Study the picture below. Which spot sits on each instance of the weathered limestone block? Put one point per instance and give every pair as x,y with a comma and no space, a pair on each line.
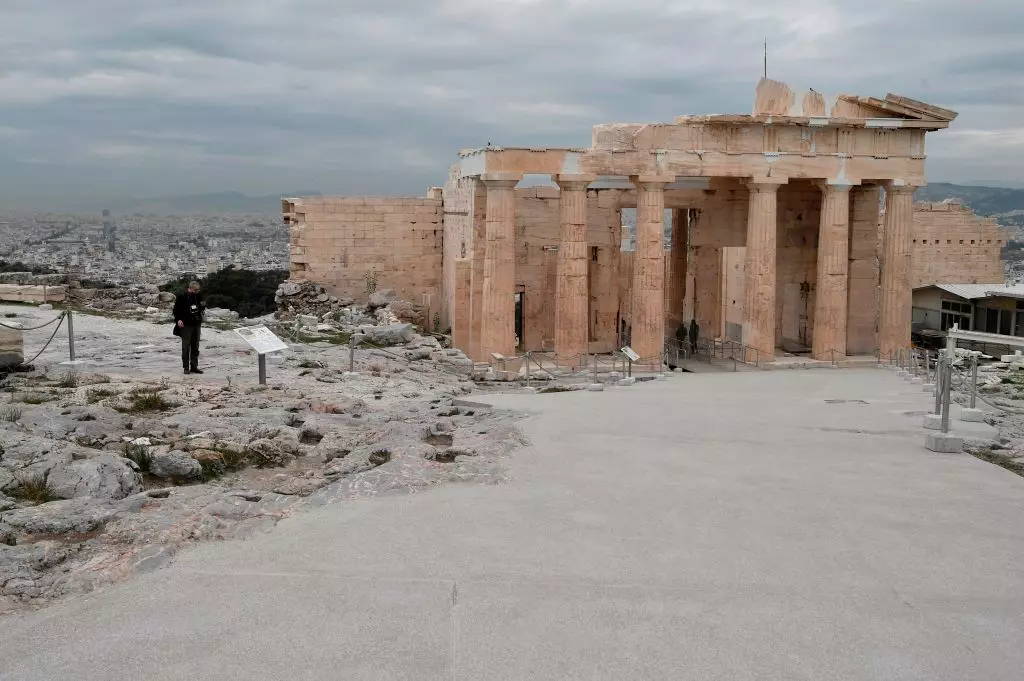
105,476
175,465
12,346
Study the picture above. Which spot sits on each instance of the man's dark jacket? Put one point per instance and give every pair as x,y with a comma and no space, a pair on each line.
189,308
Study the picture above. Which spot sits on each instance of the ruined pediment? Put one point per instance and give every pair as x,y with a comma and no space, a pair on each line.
777,99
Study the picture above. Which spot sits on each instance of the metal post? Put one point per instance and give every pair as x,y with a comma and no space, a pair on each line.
595,367
630,374
71,335
351,357
263,369
974,380
947,381
527,369
939,376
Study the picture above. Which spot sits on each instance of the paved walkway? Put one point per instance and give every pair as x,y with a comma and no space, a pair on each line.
722,526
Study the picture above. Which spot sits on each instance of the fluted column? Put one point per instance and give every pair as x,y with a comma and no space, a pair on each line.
759,294
829,337
571,286
895,318
497,324
648,307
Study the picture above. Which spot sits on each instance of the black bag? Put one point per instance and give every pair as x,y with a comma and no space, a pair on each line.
177,329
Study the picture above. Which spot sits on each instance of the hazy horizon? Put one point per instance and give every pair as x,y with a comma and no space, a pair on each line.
115,99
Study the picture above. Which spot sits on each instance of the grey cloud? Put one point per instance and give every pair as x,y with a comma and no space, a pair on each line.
349,96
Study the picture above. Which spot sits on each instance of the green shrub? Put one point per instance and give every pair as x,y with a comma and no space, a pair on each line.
247,292
139,454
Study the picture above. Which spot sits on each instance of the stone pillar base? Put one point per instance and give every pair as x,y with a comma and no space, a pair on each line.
944,443
933,422
972,415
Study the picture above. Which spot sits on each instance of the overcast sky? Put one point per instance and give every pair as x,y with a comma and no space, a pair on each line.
158,97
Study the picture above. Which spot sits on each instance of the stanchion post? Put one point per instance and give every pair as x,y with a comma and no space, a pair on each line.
946,382
263,368
351,355
71,335
939,377
974,380
527,369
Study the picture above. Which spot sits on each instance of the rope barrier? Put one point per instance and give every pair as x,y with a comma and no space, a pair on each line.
35,328
50,340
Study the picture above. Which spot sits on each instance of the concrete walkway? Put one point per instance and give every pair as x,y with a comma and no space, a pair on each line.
719,526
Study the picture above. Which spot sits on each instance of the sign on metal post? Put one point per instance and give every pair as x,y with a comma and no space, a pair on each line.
631,355
263,341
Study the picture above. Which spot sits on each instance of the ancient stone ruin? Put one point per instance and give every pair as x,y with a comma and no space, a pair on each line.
792,226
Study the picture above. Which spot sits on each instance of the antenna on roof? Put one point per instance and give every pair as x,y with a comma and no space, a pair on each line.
766,57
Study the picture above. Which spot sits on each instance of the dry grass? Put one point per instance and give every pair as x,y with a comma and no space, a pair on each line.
10,413
34,489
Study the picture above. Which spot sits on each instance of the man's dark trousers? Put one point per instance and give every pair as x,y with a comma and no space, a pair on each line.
190,346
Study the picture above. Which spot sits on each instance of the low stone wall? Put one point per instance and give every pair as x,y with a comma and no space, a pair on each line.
32,293
29,279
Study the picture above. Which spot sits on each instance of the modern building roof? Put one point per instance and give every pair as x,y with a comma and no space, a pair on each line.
978,291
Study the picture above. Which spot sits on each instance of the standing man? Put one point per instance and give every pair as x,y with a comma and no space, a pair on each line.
188,315
694,334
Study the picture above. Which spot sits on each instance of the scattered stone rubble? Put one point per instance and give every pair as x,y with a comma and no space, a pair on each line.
102,477
312,307
133,298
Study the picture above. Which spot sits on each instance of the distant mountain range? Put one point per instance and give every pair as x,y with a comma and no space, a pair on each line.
219,202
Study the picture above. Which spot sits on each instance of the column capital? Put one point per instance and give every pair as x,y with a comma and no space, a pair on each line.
835,185
573,182
652,180
761,184
501,180
899,187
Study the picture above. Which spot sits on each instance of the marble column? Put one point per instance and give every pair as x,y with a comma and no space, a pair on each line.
572,289
829,338
648,306
497,323
760,275
895,317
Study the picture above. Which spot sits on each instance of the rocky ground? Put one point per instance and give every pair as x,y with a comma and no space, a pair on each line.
1001,394
111,465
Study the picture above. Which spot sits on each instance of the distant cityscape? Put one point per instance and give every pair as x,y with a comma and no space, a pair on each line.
143,248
